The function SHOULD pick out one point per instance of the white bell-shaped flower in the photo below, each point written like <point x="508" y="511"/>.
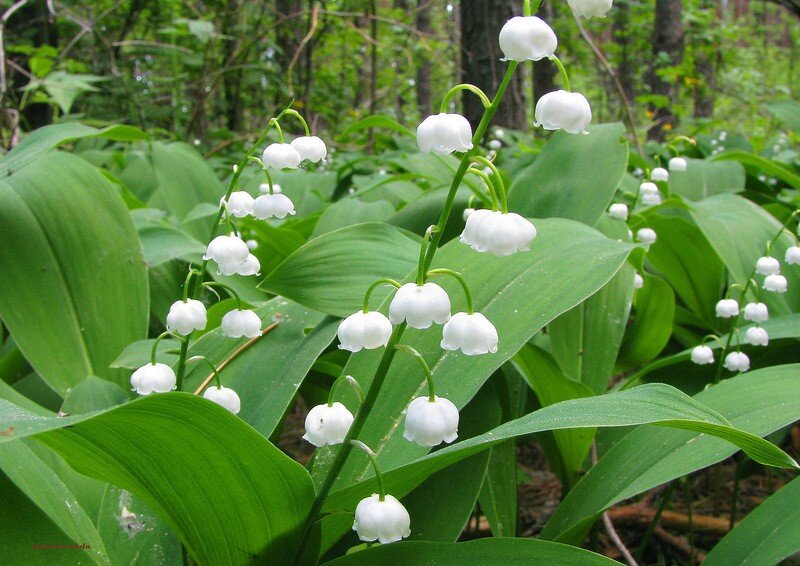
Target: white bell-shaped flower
<point x="496" y="232"/>
<point x="638" y="281"/>
<point x="589" y="8"/>
<point x="153" y="378"/>
<point x="281" y="156"/>
<point x="648" y="188"/>
<point x="651" y="199"/>
<point x="225" y="397"/>
<point x="444" y="133"/>
<point x="768" y="266"/>
<point x="276" y="205"/>
<point x="792" y="255"/>
<point x="184" y="317"/>
<point x="775" y="283"/>
<point x="527" y="38"/>
<point x="495" y="145"/>
<point x="264" y="188"/>
<point x="250" y="266"/>
<point x="227" y="250"/>
<point x="737" y="361"/>
<point x="327" y="424"/>
<point x="756" y="312"/>
<point x="472" y="333"/>
<point x="467" y="213"/>
<point x="251" y="245"/>
<point x="368" y="330"/>
<point x="420" y="305"/>
<point x="311" y="148"/>
<point x="618" y="210"/>
<point x="239" y="204"/>
<point x="659" y="174"/>
<point x="702" y="355"/>
<point x="562" y="110"/>
<point x="756" y="336"/>
<point x="646" y="235"/>
<point x="383" y="520"/>
<point x="238" y="323"/>
<point x="677" y="164"/>
<point x="429" y="423"/>
<point x="727" y="308"/>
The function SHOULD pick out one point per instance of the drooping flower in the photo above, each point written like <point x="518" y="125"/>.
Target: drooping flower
<point x="420" y="305"/>
<point x="651" y="199"/>
<point x="646" y="235"/>
<point x="727" y="308"/>
<point x="659" y="174"/>
<point x="677" y="164"/>
<point x="276" y="205"/>
<point x="264" y="188"/>
<point x="495" y="145"/>
<point x="768" y="266"/>
<point x="756" y="336"/>
<point x="328" y="424"/>
<point x="444" y="133"/>
<point x="496" y="232"/>
<point x="153" y="378"/>
<point x="792" y="255"/>
<point x="527" y="38"/>
<point x="186" y="316"/>
<point x="240" y="323"/>
<point x="638" y="281"/>
<point x="756" y="312"/>
<point x="472" y="333"/>
<point x="311" y="148"/>
<point x="776" y="283"/>
<point x="250" y="266"/>
<point x="429" y="423"/>
<point x="702" y="355"/>
<point x="227" y="250"/>
<point x="648" y="188"/>
<point x="737" y="361"/>
<point x="383" y="520"/>
<point x="589" y="8"/>
<point x="562" y="110"/>
<point x="367" y="330"/>
<point x="618" y="210"/>
<point x="281" y="156"/>
<point x="225" y="397"/>
<point x="239" y="204"/>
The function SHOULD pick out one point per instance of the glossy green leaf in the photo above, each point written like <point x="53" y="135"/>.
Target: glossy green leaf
<point x="654" y="311"/>
<point x="73" y="288"/>
<point x="424" y="211"/>
<point x="758" y="402"/>
<point x="787" y="111"/>
<point x="478" y="552"/>
<point x="138" y="353"/>
<point x="376" y="121"/>
<point x="331" y="273"/>
<point x="498" y="496"/>
<point x="767" y="166"/>
<point x="349" y="211"/>
<point x="704" y="178"/>
<point x="573" y="177"/>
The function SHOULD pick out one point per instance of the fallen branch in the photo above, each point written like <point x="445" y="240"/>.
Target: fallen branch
<point x="633" y="514"/>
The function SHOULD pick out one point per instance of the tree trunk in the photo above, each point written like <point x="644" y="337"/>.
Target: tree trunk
<point x="481" y="21"/>
<point x="667" y="42"/>
<point x="232" y="80"/>
<point x="423" y="79"/>
<point x="622" y="37"/>
<point x="288" y="36"/>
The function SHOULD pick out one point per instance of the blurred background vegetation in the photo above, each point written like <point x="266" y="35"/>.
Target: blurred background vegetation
<point x="211" y="71"/>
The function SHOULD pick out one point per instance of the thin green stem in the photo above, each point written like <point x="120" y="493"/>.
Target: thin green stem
<point x="155" y="345"/>
<point x="526" y="8"/>
<point x="376" y="284"/>
<point x="423" y="248"/>
<point x="230" y="290"/>
<point x="189" y="276"/>
<point x="296" y="114"/>
<point x="269" y="179"/>
<point x="652" y="526"/>
<point x="489" y="185"/>
<point x="372" y="460"/>
<point x="501" y="186"/>
<point x="464" y="86"/>
<point x="534" y="7"/>
<point x="425" y="368"/>
<point x="457" y="276"/>
<point x="214" y="371"/>
<point x="563" y="71"/>
<point x="350" y="380"/>
<point x="274" y="122"/>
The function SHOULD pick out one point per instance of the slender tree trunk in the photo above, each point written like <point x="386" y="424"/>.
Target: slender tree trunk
<point x="232" y="80"/>
<point x="622" y="36"/>
<point x="288" y="36"/>
<point x="423" y="79"/>
<point x="667" y="42"/>
<point x="481" y="21"/>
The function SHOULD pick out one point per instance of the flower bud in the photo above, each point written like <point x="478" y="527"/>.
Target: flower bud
<point x="527" y="38"/>
<point x="367" y="330"/>
<point x="618" y="210"/>
<point x="659" y="174"/>
<point x="251" y="245"/>
<point x="420" y="305"/>
<point x="239" y="204"/>
<point x="385" y="521"/>
<point x="226" y="250"/>
<point x="153" y="378"/>
<point x="646" y="235"/>
<point x="496" y="232"/>
<point x="768" y="266"/>
<point x="224" y="397"/>
<point x="444" y="133"/>
<point x="775" y="283"/>
<point x="792" y="255"/>
<point x="562" y="110"/>
<point x="276" y="205"/>
<point x="638" y="281"/>
<point x="737" y="361"/>
<point x="184" y="317"/>
<point x="756" y="336"/>
<point x="589" y="8"/>
<point x="495" y="145"/>
<point x="264" y="188"/>
<point x="429" y="423"/>
<point x="727" y="308"/>
<point x="327" y="424"/>
<point x="311" y="148"/>
<point x="756" y="312"/>
<point x="648" y="188"/>
<point x="702" y="355"/>
<point x="472" y="333"/>
<point x="281" y="156"/>
<point x="238" y="323"/>
<point x="677" y="164"/>
<point x="651" y="199"/>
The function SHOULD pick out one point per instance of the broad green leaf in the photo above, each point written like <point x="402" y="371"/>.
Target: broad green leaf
<point x="787" y="111"/>
<point x="162" y="243"/>
<point x="739" y="231"/>
<point x="137" y="354"/>
<point x="704" y="178"/>
<point x="230" y="495"/>
<point x="349" y="211"/>
<point x="376" y="121"/>
<point x="498" y="496"/>
<point x="769" y="534"/>
<point x="574" y="176"/>
<point x="767" y="166"/>
<point x="73" y="288"/>
<point x="654" y="311"/>
<point x="331" y="273"/>
<point x="758" y="402"/>
<point x="477" y="552"/>
<point x="425" y="210"/>
<point x="93" y="394"/>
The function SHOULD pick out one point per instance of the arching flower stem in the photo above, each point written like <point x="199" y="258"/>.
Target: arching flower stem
<point x="425" y="368"/>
